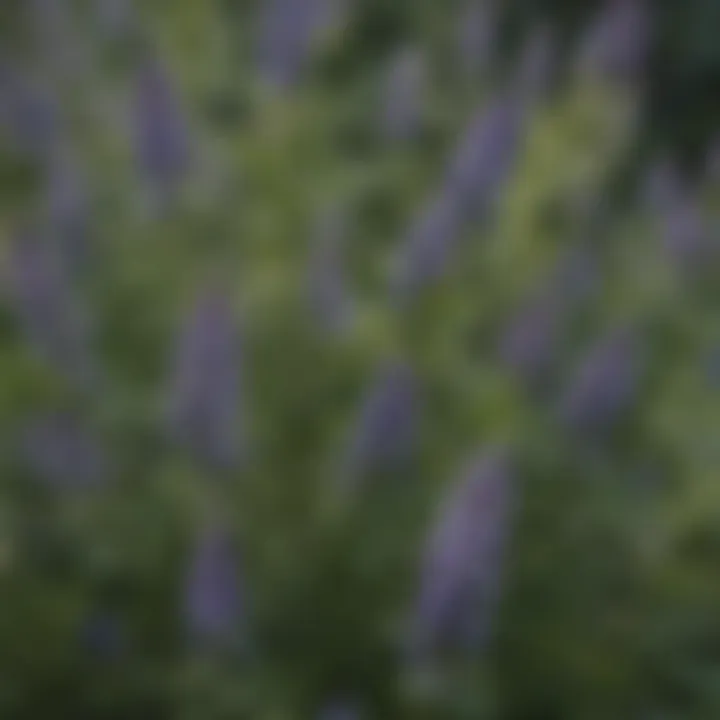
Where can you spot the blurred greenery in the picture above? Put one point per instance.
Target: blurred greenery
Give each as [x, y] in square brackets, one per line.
[610, 590]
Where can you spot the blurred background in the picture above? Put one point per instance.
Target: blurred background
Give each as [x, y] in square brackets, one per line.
[359, 359]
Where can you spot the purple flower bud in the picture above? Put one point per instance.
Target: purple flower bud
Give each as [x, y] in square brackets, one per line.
[485, 156]
[605, 384]
[617, 44]
[47, 309]
[387, 429]
[214, 602]
[463, 563]
[287, 31]
[404, 96]
[162, 142]
[204, 401]
[477, 26]
[427, 249]
[329, 299]
[62, 452]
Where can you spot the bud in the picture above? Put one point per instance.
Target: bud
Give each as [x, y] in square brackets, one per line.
[463, 563]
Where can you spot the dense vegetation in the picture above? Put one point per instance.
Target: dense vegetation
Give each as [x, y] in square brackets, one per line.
[346, 369]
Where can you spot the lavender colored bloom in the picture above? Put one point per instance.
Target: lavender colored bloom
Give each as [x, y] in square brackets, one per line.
[47, 309]
[476, 37]
[162, 142]
[485, 156]
[605, 384]
[329, 300]
[62, 452]
[287, 31]
[463, 563]
[387, 429]
[617, 44]
[204, 401]
[429, 245]
[214, 603]
[404, 96]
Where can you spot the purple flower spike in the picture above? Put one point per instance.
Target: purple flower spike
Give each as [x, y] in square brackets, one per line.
[404, 96]
[463, 563]
[425, 254]
[214, 603]
[287, 31]
[63, 453]
[476, 37]
[605, 384]
[329, 300]
[617, 45]
[204, 401]
[162, 142]
[485, 156]
[387, 429]
[47, 310]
